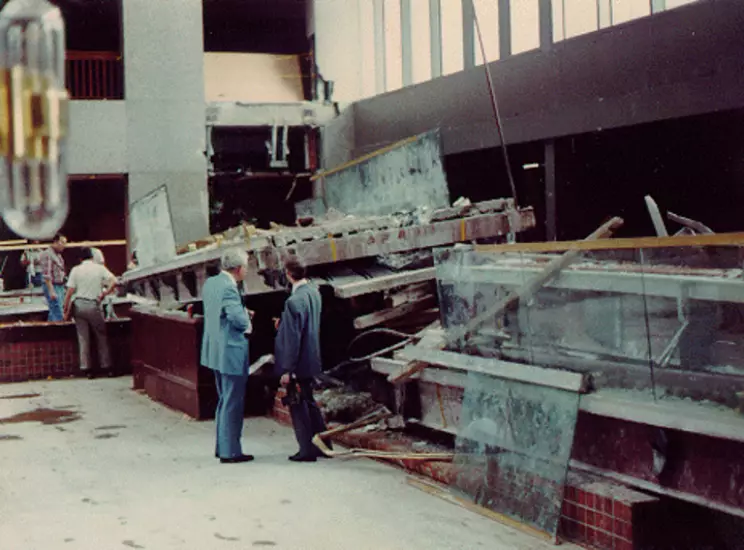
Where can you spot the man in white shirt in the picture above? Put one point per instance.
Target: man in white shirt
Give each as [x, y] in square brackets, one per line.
[89, 283]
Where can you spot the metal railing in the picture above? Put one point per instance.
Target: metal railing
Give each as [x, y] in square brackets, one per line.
[94, 75]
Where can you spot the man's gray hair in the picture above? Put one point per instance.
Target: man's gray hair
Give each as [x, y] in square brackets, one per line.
[233, 258]
[98, 256]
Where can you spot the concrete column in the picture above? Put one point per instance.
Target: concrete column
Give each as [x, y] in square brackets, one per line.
[406, 41]
[435, 24]
[380, 72]
[546, 24]
[469, 38]
[604, 13]
[657, 5]
[165, 137]
[505, 38]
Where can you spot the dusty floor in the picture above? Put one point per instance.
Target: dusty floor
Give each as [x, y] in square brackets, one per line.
[104, 468]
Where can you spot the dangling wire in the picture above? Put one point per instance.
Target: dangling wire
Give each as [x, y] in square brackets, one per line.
[505, 154]
[495, 106]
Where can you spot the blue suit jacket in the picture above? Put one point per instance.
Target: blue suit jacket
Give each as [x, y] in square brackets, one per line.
[224, 345]
[297, 346]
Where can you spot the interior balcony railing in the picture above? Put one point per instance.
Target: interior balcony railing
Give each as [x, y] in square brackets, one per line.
[95, 75]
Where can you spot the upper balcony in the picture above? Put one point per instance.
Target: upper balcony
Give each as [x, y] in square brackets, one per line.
[94, 75]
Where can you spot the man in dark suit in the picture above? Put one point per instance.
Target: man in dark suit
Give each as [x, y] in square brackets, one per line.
[227, 325]
[297, 355]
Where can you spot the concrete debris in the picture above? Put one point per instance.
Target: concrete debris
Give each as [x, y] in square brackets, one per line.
[341, 406]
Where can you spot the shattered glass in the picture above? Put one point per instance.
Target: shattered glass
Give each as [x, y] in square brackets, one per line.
[513, 448]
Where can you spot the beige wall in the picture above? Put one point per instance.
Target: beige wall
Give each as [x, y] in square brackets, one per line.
[252, 78]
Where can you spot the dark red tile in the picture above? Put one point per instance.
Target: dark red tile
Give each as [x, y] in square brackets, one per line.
[603, 504]
[621, 544]
[581, 497]
[622, 511]
[605, 522]
[623, 529]
[603, 540]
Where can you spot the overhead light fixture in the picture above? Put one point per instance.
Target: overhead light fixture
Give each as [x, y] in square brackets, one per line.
[33, 118]
[531, 166]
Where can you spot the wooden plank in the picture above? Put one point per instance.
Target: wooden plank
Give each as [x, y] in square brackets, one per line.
[440, 492]
[384, 283]
[412, 368]
[379, 317]
[717, 239]
[529, 374]
[363, 158]
[80, 244]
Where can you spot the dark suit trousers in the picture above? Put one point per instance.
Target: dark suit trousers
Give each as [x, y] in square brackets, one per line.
[307, 419]
[228, 416]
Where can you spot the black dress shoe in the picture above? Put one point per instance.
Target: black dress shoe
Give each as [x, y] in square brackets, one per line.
[236, 459]
[302, 458]
[91, 373]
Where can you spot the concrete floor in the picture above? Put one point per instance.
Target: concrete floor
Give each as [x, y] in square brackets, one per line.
[121, 471]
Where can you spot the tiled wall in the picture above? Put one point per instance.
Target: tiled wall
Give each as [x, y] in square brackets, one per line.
[604, 515]
[43, 350]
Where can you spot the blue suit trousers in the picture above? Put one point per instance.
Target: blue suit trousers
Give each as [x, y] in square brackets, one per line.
[229, 413]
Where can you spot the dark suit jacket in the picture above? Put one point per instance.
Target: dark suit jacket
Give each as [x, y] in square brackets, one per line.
[297, 345]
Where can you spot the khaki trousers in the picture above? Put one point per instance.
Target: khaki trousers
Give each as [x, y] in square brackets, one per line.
[88, 317]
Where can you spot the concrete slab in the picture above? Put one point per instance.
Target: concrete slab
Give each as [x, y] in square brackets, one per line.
[92, 464]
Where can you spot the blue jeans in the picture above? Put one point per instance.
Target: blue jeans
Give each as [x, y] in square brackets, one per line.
[55, 306]
[35, 280]
[229, 414]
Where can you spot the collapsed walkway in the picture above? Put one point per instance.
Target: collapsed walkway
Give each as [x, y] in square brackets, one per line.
[95, 465]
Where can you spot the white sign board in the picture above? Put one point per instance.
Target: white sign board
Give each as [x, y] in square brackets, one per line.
[151, 228]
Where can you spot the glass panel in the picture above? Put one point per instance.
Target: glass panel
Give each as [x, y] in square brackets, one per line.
[487, 12]
[627, 10]
[640, 321]
[695, 299]
[513, 448]
[393, 45]
[525, 21]
[452, 45]
[581, 17]
[421, 40]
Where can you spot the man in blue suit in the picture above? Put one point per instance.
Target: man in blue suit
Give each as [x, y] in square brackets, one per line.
[297, 356]
[227, 324]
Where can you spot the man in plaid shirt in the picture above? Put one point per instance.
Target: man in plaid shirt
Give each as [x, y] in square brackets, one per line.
[53, 273]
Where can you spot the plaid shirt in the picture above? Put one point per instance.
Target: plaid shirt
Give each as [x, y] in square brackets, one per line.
[52, 266]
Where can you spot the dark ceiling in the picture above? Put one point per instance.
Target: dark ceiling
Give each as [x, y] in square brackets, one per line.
[92, 25]
[259, 26]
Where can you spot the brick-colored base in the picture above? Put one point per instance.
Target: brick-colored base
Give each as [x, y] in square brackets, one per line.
[603, 515]
[43, 350]
[595, 514]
